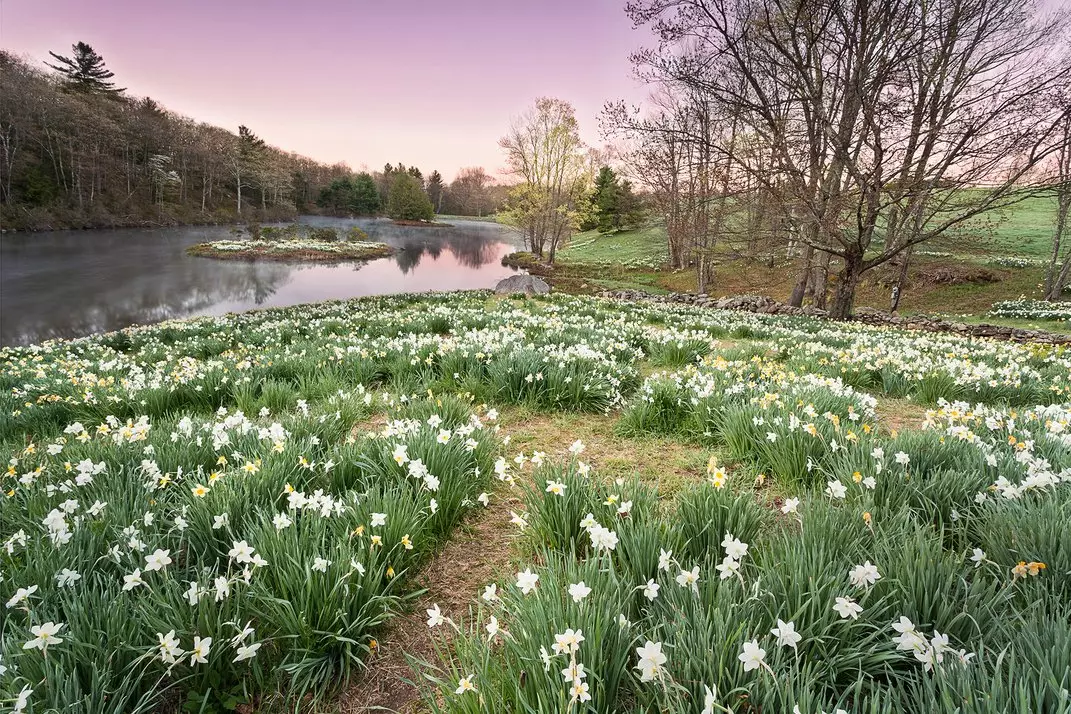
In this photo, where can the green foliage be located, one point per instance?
(365, 200)
(408, 201)
(614, 204)
(436, 190)
(324, 233)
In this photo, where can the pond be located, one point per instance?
(75, 283)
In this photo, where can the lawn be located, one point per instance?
(641, 248)
(460, 503)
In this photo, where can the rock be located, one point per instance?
(526, 284)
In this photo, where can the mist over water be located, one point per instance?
(75, 283)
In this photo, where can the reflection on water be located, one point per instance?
(73, 283)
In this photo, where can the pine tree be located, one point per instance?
(85, 70)
(365, 195)
(436, 190)
(247, 162)
(606, 199)
(407, 200)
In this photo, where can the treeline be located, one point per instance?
(76, 151)
(405, 193)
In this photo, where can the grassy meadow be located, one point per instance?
(993, 259)
(459, 503)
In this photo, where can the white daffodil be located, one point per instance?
(44, 635)
(526, 581)
(579, 591)
(752, 655)
(847, 608)
(786, 634)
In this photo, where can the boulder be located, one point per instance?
(526, 284)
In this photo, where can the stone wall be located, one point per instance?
(768, 306)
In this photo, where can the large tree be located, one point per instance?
(246, 161)
(1058, 270)
(84, 70)
(365, 195)
(469, 194)
(544, 150)
(436, 189)
(879, 121)
(407, 200)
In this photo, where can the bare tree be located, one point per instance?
(1058, 271)
(884, 120)
(468, 194)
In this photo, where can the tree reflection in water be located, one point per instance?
(67, 283)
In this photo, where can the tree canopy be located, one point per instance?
(543, 149)
(407, 200)
(85, 70)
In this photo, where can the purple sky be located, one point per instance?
(426, 82)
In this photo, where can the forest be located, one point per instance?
(77, 151)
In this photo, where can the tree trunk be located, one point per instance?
(901, 280)
(847, 281)
(1055, 281)
(800, 289)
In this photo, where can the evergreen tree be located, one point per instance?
(407, 200)
(365, 195)
(85, 70)
(415, 173)
(605, 200)
(436, 190)
(337, 196)
(630, 207)
(247, 162)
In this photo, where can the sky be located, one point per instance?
(430, 83)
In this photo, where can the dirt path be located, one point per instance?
(480, 550)
(476, 554)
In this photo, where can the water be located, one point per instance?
(75, 283)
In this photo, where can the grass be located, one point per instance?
(632, 259)
(641, 247)
(1022, 230)
(302, 424)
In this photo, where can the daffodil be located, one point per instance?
(650, 661)
(847, 608)
(786, 634)
(526, 581)
(44, 635)
(200, 650)
(579, 591)
(752, 656)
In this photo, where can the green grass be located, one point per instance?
(643, 246)
(1023, 230)
(635, 259)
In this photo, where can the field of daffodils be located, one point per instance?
(225, 513)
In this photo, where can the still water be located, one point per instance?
(74, 283)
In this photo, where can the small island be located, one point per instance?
(303, 249)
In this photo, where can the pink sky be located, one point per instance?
(424, 82)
